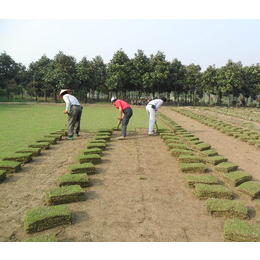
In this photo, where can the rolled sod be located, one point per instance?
(42, 145)
(227, 208)
(105, 130)
(42, 218)
(19, 157)
(226, 167)
(97, 142)
(92, 151)
(178, 152)
(251, 189)
(10, 166)
(208, 153)
(237, 177)
(204, 179)
(193, 167)
(96, 145)
(43, 238)
(103, 137)
(81, 179)
(64, 194)
(91, 158)
(206, 191)
(57, 137)
(47, 140)
(2, 175)
(189, 159)
(176, 146)
(216, 159)
(201, 147)
(88, 168)
(236, 230)
(102, 133)
(33, 151)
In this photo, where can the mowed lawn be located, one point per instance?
(22, 125)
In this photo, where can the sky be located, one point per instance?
(200, 39)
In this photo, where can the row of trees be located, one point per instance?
(122, 76)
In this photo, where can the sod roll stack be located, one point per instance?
(42, 218)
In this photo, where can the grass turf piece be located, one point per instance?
(33, 151)
(103, 137)
(2, 175)
(100, 130)
(178, 152)
(19, 157)
(92, 151)
(226, 167)
(206, 191)
(43, 238)
(10, 166)
(92, 158)
(237, 177)
(57, 137)
(42, 218)
(102, 133)
(64, 194)
(96, 145)
(88, 168)
(175, 141)
(167, 137)
(176, 146)
(204, 179)
(81, 179)
(209, 153)
(253, 141)
(192, 167)
(216, 159)
(240, 231)
(47, 140)
(227, 208)
(201, 147)
(251, 189)
(189, 159)
(42, 145)
(97, 142)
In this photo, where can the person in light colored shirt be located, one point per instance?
(74, 111)
(125, 113)
(151, 109)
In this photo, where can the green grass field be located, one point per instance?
(24, 124)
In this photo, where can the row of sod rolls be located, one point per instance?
(13, 163)
(213, 179)
(241, 133)
(69, 189)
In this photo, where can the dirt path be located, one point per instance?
(137, 194)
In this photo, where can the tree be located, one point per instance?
(193, 80)
(176, 78)
(209, 80)
(140, 67)
(119, 73)
(156, 79)
(233, 79)
(61, 73)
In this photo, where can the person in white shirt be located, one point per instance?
(74, 111)
(151, 109)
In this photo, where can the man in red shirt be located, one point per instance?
(125, 113)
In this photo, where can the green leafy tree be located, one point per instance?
(119, 73)
(193, 80)
(209, 81)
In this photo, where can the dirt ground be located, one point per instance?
(137, 194)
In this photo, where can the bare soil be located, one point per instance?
(138, 193)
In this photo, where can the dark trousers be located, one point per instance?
(128, 112)
(74, 119)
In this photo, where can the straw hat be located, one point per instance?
(62, 91)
